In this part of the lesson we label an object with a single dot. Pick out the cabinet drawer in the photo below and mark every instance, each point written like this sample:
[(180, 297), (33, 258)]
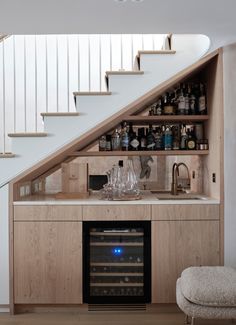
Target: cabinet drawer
[(48, 213), (117, 212), (185, 212)]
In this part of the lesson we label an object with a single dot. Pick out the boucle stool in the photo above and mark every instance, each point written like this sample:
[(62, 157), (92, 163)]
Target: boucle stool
[(207, 292)]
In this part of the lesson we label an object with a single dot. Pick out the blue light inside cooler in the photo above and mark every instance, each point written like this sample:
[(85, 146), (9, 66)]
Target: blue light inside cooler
[(117, 251)]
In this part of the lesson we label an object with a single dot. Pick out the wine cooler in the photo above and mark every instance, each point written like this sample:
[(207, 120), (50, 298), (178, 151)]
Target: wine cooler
[(117, 258)]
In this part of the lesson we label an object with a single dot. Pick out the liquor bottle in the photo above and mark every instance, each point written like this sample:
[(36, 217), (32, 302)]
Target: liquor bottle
[(191, 141), (187, 100), (158, 138), (202, 107), (152, 110), (183, 138), (116, 141), (142, 139), (181, 102), (124, 138), (168, 138), (158, 109), (150, 139), (102, 143), (133, 141), (108, 142), (192, 102), (176, 137), (168, 107)]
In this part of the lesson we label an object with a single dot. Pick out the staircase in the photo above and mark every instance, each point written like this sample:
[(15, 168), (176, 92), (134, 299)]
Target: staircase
[(151, 68)]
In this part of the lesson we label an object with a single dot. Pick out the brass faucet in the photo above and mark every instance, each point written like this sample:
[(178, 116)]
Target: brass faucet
[(175, 174)]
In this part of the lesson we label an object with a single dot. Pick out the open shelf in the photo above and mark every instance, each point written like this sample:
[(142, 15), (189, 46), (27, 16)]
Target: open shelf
[(140, 153), (142, 119)]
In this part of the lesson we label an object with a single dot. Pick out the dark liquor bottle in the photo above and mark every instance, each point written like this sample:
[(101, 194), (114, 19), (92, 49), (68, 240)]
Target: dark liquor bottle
[(142, 139), (133, 141), (158, 138), (124, 138), (150, 139), (176, 137), (192, 102), (108, 142), (202, 106), (191, 141), (152, 110)]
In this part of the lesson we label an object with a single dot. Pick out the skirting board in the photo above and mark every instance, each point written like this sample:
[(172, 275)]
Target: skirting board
[(4, 308)]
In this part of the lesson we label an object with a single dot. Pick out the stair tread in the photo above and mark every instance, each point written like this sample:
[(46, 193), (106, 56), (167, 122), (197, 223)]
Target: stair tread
[(125, 72), (156, 52), (60, 114), (27, 134), (92, 93), (7, 155)]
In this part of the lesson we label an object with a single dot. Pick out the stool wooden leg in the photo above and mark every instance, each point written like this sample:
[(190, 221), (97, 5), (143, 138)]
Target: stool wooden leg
[(187, 320)]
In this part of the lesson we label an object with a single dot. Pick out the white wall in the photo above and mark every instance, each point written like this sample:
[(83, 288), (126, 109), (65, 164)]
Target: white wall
[(230, 153), (4, 247)]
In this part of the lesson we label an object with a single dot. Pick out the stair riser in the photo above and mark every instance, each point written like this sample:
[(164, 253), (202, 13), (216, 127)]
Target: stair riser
[(55, 124), (123, 83)]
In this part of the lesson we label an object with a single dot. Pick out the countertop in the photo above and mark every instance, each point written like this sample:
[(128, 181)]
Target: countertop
[(146, 198)]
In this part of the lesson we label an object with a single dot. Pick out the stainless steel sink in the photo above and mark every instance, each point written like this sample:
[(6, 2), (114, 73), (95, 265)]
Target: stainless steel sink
[(179, 198), (182, 195), (160, 192)]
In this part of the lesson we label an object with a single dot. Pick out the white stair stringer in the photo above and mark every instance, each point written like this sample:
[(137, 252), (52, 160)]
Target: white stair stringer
[(95, 109)]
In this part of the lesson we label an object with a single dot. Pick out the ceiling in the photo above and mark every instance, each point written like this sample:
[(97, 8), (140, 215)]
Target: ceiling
[(215, 18)]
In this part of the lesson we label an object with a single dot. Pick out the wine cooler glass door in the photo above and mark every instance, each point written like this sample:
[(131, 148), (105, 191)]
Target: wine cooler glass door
[(117, 260)]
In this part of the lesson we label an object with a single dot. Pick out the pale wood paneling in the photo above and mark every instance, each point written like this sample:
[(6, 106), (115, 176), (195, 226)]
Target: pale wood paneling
[(48, 263), (117, 212), (47, 213), (177, 245), (185, 212), (213, 163)]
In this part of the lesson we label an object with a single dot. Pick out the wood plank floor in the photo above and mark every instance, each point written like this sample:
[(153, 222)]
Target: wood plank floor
[(83, 317)]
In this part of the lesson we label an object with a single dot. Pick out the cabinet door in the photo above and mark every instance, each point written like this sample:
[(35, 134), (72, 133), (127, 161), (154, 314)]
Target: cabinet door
[(177, 245), (47, 262)]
